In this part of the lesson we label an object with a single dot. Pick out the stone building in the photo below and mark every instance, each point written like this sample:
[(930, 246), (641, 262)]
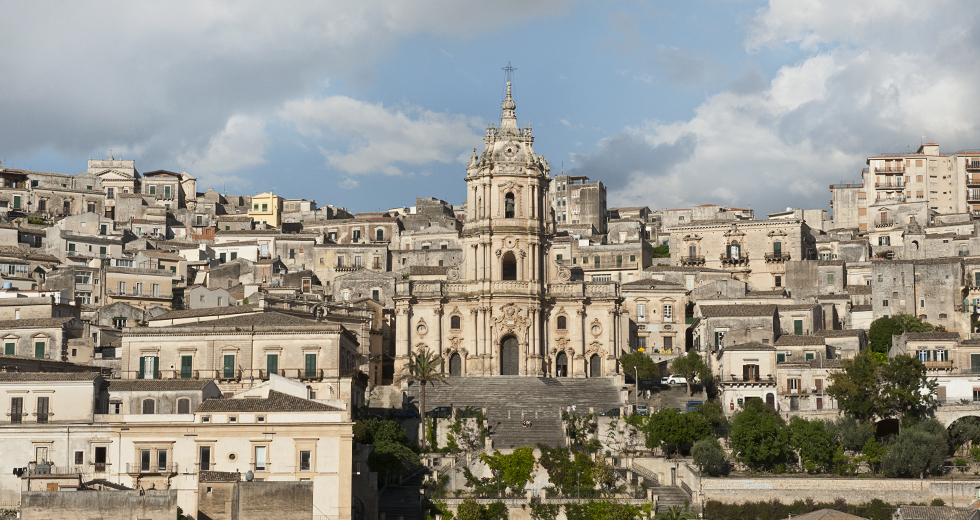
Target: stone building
[(578, 203), (507, 308), (657, 317), (755, 251), (929, 289)]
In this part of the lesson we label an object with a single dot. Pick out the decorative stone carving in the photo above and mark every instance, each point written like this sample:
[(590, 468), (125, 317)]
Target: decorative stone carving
[(452, 274), (595, 328)]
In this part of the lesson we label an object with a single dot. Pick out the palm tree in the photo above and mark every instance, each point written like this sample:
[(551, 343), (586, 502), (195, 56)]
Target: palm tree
[(423, 368), (909, 323), (675, 513)]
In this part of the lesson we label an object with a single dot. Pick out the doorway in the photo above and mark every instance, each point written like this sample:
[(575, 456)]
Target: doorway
[(561, 365), (455, 365), (509, 359)]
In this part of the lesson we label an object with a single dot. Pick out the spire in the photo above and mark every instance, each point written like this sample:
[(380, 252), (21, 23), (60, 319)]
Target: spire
[(508, 121)]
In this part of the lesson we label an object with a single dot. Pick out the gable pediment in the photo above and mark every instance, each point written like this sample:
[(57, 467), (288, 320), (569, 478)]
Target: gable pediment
[(113, 175)]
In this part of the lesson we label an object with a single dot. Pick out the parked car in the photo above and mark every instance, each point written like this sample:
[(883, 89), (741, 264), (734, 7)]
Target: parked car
[(693, 405), (611, 413), (665, 380), (440, 412), (641, 409), (408, 413), (675, 379)]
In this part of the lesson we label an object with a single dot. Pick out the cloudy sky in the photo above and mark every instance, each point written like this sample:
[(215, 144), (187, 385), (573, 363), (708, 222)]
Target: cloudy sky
[(369, 104)]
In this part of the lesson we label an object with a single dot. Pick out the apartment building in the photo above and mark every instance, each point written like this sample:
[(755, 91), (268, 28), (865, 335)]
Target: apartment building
[(578, 204)]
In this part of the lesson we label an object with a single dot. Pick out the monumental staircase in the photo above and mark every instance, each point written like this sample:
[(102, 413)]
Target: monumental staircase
[(509, 400)]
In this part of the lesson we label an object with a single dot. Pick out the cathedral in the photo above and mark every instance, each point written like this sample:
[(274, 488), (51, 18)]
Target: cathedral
[(509, 308)]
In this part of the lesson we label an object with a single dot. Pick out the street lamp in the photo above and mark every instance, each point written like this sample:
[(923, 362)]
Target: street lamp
[(579, 488)]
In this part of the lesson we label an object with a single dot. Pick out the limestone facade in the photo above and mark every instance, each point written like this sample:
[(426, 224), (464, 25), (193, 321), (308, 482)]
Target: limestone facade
[(507, 308)]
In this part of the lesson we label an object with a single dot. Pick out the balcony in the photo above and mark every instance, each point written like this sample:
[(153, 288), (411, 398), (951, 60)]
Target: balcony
[(883, 223), (750, 381), (973, 180), (891, 170), (691, 260), (51, 470), (151, 469), (740, 260), (889, 185), (777, 257), (972, 165), (939, 366)]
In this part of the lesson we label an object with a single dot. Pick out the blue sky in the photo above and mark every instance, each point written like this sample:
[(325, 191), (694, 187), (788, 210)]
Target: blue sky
[(370, 104)]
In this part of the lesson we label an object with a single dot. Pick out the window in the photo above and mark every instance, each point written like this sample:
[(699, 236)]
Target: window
[(221, 258), (632, 258), (162, 460), (830, 278), (83, 277), (149, 367), (122, 287), (454, 322), (357, 261), (941, 355), (779, 281), (379, 235), (310, 365), (305, 460), (884, 303), (562, 323), (558, 257), (79, 458), (597, 262), (228, 371), (619, 260), (375, 295), (357, 235), (508, 267), (166, 192), (16, 409), (810, 355), (186, 366), (509, 205), (265, 207), (42, 409), (641, 343), (922, 355), (668, 343), (668, 312), (39, 349), (272, 364), (260, 458), (205, 458), (153, 190), (10, 348), (145, 460), (719, 339), (183, 406), (149, 406)]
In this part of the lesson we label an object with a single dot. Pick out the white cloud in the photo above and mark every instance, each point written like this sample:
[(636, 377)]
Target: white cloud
[(816, 121), (349, 183), (241, 144), (379, 139), (163, 77)]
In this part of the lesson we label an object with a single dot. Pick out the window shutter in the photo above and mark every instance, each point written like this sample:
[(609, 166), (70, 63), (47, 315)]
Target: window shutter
[(142, 367), (156, 368)]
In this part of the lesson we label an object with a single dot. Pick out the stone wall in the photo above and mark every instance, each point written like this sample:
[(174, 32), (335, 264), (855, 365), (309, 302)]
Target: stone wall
[(280, 500), (108, 505), (894, 491)]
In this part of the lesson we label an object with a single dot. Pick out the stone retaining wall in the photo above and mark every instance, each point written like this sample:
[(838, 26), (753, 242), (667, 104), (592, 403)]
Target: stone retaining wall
[(854, 490)]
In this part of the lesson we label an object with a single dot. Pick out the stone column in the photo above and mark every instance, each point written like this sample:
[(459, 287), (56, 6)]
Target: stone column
[(579, 368), (438, 315), (403, 343)]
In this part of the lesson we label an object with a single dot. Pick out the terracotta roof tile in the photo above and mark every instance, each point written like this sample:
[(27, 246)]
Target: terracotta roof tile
[(276, 402)]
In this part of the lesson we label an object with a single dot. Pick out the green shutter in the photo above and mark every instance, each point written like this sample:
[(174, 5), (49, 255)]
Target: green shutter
[(229, 371), (272, 364), (10, 349), (798, 327), (976, 279), (156, 367), (777, 249), (311, 365), (186, 366), (975, 363), (39, 350), (142, 367), (781, 357), (16, 201), (809, 356)]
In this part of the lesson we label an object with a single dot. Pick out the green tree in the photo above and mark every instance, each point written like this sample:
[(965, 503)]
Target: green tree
[(669, 429), (567, 469), (880, 334), (715, 415), (691, 367), (815, 447), (425, 368), (541, 511), (964, 433), (392, 455), (872, 453), (850, 433), (759, 436), (469, 509), (710, 456), (675, 513), (918, 450), (908, 392), (645, 367), (856, 388), (661, 251), (514, 469)]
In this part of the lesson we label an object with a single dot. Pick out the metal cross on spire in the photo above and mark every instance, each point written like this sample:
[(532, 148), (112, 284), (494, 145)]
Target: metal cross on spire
[(508, 72)]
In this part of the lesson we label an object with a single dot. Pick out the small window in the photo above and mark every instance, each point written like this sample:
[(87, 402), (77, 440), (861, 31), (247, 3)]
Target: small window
[(305, 460), (183, 406), (148, 406), (454, 322), (562, 323), (260, 418)]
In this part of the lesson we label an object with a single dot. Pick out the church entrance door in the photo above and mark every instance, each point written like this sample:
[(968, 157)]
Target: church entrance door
[(509, 357), (561, 365), (455, 366), (595, 366)]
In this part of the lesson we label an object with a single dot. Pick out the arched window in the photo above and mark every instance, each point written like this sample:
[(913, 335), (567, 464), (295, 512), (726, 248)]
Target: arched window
[(183, 406), (509, 205), (454, 322), (149, 407), (509, 267), (379, 235), (562, 323)]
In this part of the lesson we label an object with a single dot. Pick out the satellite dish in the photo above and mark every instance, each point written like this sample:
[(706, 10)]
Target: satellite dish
[(249, 475)]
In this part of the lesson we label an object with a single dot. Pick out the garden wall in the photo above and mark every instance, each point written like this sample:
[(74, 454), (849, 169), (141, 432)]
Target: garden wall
[(854, 490)]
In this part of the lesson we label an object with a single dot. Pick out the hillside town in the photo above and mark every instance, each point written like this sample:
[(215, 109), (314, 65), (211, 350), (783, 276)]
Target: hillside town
[(252, 356)]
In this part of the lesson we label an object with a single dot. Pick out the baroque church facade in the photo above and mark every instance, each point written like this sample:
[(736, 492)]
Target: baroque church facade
[(508, 308)]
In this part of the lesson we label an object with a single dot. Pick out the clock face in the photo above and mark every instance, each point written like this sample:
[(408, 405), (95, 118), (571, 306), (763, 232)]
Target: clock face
[(511, 149)]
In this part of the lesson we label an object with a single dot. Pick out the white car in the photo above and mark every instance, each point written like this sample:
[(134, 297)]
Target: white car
[(674, 379)]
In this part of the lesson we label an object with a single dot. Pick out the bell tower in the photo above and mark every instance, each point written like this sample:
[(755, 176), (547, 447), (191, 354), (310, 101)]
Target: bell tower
[(508, 221)]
